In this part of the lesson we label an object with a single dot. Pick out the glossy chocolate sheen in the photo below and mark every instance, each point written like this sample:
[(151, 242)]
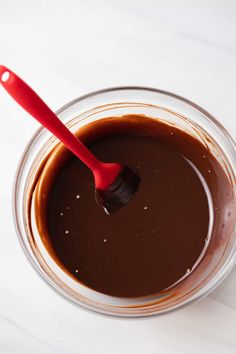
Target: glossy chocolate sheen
[(154, 240)]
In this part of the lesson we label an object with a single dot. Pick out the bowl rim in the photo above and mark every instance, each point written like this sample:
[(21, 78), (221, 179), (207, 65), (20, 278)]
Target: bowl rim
[(209, 287)]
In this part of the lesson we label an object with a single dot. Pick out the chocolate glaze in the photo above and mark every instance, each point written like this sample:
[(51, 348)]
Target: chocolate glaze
[(154, 240)]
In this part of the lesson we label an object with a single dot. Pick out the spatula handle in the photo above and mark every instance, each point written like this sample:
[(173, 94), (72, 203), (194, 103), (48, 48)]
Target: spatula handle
[(35, 106)]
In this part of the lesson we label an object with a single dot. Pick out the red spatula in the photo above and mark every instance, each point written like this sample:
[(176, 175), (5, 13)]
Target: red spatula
[(115, 183)]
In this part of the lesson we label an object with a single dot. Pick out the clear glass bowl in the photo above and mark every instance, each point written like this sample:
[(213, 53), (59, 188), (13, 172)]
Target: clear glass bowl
[(115, 102)]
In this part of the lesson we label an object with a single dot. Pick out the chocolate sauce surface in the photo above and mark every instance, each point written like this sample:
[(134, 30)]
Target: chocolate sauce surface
[(154, 240)]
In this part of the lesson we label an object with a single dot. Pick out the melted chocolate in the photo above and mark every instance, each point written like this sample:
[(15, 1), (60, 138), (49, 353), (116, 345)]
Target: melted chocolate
[(154, 240)]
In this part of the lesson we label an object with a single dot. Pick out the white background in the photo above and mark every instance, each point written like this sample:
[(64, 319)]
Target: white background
[(68, 48)]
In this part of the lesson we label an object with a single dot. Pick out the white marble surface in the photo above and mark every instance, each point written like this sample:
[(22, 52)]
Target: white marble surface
[(68, 48)]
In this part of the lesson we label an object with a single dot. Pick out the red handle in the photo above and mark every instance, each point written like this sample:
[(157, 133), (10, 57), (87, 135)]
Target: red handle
[(34, 105)]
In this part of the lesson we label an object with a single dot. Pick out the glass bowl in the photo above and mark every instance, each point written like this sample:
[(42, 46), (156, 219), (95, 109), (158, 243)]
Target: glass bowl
[(115, 102)]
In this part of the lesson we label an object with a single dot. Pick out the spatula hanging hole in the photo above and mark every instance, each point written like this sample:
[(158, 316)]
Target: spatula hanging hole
[(5, 76)]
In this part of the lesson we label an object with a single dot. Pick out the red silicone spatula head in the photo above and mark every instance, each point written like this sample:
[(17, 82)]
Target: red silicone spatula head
[(115, 184)]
